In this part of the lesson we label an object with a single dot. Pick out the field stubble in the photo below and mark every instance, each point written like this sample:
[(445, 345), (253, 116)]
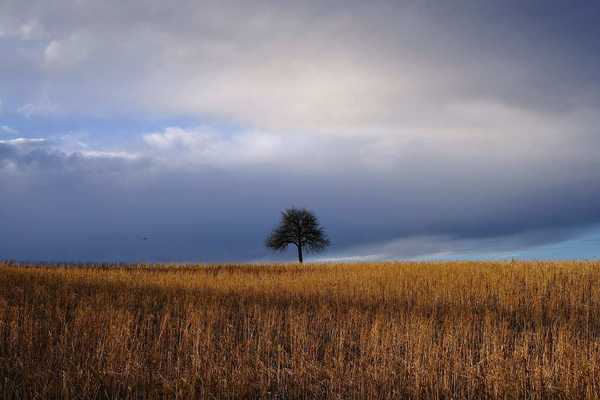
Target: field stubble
[(391, 330)]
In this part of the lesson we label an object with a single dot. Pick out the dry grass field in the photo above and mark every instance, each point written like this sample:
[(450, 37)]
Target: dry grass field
[(367, 331)]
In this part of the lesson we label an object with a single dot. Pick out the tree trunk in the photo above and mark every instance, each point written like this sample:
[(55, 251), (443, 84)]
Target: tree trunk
[(300, 254)]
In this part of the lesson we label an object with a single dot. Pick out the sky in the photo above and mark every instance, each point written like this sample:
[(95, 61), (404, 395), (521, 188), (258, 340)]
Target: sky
[(412, 129)]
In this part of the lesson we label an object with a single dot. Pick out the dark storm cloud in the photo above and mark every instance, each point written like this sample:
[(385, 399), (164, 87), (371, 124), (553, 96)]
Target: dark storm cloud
[(80, 208)]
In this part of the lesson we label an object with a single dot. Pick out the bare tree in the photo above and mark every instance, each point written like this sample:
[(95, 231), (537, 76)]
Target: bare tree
[(301, 228)]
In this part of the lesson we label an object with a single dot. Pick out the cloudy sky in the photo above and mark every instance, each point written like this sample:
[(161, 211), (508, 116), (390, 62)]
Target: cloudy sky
[(413, 129)]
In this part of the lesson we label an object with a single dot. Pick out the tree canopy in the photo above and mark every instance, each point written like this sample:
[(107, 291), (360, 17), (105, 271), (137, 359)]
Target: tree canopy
[(301, 228)]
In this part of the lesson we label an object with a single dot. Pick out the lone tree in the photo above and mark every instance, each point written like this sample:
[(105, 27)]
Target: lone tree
[(301, 228)]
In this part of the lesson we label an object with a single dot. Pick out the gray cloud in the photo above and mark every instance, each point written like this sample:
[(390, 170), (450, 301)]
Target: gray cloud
[(99, 207), (300, 66), (408, 126)]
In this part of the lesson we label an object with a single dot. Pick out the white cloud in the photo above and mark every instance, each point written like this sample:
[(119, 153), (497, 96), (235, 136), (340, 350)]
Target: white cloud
[(8, 129), (66, 147), (24, 141), (175, 137), (108, 154), (205, 146), (30, 30), (38, 109), (20, 27), (67, 53)]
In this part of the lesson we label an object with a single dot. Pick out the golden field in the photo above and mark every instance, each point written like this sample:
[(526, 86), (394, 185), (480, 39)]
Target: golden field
[(473, 330)]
